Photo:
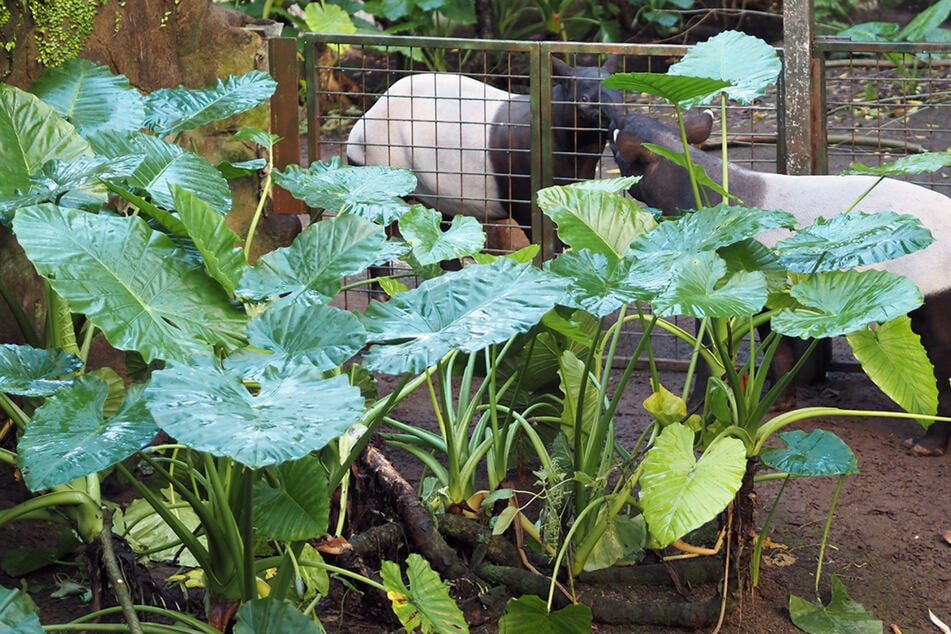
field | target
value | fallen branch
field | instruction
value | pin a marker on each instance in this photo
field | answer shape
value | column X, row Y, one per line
column 418, row 523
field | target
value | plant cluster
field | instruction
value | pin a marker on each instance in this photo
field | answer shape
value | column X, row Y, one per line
column 256, row 395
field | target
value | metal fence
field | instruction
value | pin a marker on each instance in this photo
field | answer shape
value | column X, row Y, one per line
column 874, row 103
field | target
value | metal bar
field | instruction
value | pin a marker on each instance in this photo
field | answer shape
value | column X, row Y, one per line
column 828, row 44
column 283, row 66
column 543, row 165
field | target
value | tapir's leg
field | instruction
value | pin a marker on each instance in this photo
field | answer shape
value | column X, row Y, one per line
column 931, row 323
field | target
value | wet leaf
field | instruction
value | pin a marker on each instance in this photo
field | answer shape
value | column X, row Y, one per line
column 69, row 435
column 463, row 310
column 818, row 453
column 28, row 371
column 293, row 412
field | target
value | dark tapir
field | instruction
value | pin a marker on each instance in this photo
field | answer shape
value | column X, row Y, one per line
column 666, row 186
column 468, row 142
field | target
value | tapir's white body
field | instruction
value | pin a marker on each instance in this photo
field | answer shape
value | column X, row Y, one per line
column 438, row 125
column 667, row 186
column 809, row 197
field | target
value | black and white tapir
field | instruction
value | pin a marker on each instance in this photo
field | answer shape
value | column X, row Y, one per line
column 666, row 186
column 469, row 142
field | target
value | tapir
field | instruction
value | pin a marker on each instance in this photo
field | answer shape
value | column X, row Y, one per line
column 666, row 186
column 469, row 142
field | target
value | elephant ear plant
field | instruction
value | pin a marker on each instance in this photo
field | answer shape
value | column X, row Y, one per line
column 713, row 269
column 244, row 359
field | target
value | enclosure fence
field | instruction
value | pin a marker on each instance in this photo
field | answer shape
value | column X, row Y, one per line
column 864, row 102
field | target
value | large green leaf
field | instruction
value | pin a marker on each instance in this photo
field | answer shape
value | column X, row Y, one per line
column 18, row 613
column 675, row 89
column 289, row 331
column 601, row 285
column 314, row 264
column 594, row 219
column 165, row 164
column 906, row 165
column 624, row 540
column 29, row 371
column 923, row 26
column 420, row 227
column 69, row 436
column 852, row 239
column 818, row 453
column 748, row 63
column 293, row 412
column 840, row 302
column 90, row 97
column 841, row 615
column 426, row 603
column 894, row 359
column 174, row 110
column 269, row 616
column 146, row 531
column 530, row 613
column 571, row 372
column 131, row 281
column 217, row 243
column 680, row 493
column 32, row 134
column 462, row 310
column 372, row 192
column 697, row 288
column 293, row 504
column 76, row 183
column 709, row 228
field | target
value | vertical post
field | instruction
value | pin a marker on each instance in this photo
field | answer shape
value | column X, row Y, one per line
column 543, row 231
column 282, row 63
column 803, row 115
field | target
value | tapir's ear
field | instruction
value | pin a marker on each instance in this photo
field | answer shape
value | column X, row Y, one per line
column 610, row 64
column 698, row 126
column 561, row 68
column 631, row 149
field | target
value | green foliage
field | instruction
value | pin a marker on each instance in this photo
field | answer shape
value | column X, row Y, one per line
column 18, row 613
column 62, row 28
column 262, row 616
column 841, row 615
column 818, row 453
column 530, row 614
column 680, row 493
column 426, row 603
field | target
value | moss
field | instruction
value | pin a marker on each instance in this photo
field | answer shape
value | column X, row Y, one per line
column 62, row 27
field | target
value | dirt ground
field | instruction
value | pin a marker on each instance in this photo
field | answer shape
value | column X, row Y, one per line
column 886, row 542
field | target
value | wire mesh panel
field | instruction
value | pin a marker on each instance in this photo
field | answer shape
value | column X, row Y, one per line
column 885, row 101
column 379, row 97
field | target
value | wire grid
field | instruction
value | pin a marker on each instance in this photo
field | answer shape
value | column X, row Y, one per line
column 883, row 105
column 352, row 83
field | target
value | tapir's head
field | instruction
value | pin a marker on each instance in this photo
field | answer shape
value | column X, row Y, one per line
column 578, row 91
column 663, row 184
